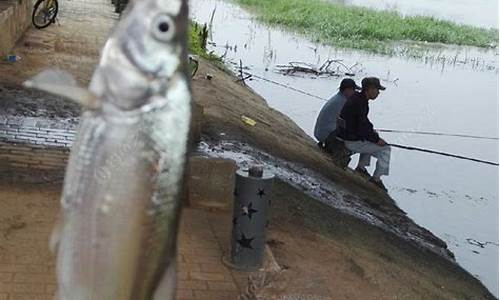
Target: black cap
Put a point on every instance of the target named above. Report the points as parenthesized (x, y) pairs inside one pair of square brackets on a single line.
[(348, 83), (372, 82)]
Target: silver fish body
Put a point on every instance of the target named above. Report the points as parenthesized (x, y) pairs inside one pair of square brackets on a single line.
[(120, 201)]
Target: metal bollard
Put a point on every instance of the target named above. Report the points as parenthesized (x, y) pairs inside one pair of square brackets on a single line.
[(250, 218)]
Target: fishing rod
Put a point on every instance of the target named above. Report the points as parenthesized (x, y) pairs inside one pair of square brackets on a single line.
[(443, 153), (437, 133)]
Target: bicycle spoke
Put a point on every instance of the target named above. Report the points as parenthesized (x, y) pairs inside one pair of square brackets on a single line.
[(45, 12)]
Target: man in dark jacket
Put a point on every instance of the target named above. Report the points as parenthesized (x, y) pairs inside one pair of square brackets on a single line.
[(358, 134)]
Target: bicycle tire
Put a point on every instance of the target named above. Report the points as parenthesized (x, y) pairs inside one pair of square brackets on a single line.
[(34, 14)]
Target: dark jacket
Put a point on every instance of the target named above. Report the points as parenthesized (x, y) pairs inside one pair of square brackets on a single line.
[(357, 126)]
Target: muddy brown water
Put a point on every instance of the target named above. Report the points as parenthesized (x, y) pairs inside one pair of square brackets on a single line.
[(448, 89)]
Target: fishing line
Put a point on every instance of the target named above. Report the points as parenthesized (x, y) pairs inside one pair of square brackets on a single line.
[(444, 154), (286, 86), (438, 133), (381, 130)]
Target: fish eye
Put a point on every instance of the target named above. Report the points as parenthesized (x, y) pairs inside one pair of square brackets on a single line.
[(163, 28)]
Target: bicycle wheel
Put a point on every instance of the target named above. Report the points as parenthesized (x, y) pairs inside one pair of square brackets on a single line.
[(44, 13)]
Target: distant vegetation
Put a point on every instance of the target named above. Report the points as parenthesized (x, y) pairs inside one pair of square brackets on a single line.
[(363, 28)]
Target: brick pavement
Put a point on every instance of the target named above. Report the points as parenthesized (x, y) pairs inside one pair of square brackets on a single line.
[(72, 45), (27, 214), (204, 239)]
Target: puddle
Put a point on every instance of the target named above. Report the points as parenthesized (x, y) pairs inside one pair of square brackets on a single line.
[(450, 90)]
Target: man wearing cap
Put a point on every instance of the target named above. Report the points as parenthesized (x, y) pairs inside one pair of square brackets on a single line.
[(358, 133), (326, 123)]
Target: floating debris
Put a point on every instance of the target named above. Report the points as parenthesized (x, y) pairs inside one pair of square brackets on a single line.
[(477, 243), (330, 68)]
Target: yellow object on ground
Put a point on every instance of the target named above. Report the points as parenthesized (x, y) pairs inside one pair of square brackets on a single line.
[(248, 121)]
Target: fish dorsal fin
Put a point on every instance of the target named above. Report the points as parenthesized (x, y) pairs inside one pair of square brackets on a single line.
[(62, 84)]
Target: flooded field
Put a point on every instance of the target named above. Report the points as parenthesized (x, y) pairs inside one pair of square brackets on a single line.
[(449, 90)]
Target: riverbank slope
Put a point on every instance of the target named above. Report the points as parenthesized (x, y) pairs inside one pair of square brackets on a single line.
[(353, 259)]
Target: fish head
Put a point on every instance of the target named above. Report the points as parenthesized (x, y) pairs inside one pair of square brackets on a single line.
[(145, 53), (153, 36)]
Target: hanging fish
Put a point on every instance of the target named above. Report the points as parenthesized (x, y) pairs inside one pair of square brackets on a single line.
[(120, 202)]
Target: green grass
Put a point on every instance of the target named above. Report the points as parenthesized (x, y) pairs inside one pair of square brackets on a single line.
[(363, 28), (197, 45)]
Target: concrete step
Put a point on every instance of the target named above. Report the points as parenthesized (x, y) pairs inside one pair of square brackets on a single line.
[(210, 183)]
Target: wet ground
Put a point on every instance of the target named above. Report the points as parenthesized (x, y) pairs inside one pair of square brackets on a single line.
[(451, 90), (382, 214), (18, 101), (72, 44)]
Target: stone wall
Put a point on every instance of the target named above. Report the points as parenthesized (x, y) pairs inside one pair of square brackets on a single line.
[(15, 18), (35, 143)]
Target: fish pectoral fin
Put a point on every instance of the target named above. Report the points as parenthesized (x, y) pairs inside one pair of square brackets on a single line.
[(62, 84)]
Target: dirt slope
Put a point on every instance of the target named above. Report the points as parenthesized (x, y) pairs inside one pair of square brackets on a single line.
[(334, 256), (327, 250), (225, 101)]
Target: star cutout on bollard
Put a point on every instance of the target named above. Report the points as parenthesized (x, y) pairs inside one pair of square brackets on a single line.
[(248, 211), (245, 242), (235, 221), (235, 193), (261, 193)]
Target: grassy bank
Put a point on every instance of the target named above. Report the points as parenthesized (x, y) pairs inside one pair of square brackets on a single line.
[(362, 28), (197, 42)]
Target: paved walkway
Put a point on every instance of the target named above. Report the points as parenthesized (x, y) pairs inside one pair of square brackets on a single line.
[(73, 46), (27, 214), (204, 239)]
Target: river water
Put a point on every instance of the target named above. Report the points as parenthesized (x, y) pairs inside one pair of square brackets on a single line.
[(450, 90)]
